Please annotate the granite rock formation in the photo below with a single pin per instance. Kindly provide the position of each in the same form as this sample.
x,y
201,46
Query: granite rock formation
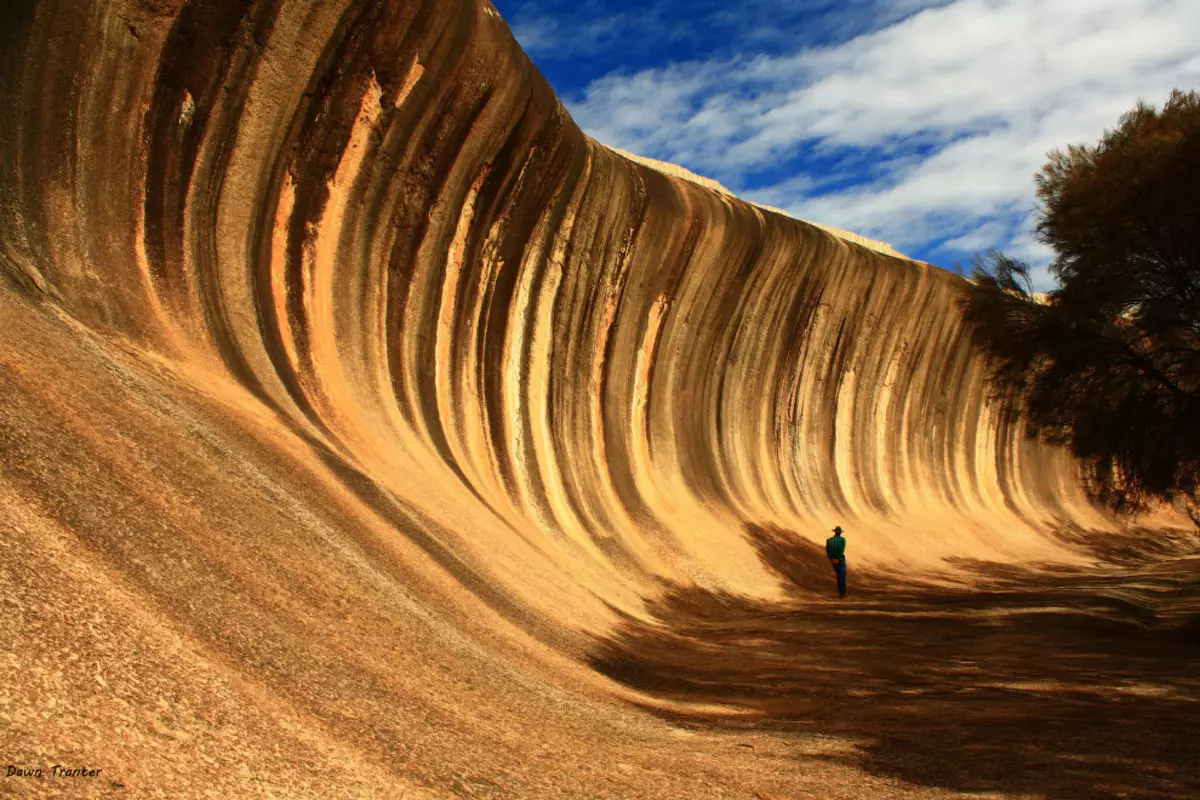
x,y
353,396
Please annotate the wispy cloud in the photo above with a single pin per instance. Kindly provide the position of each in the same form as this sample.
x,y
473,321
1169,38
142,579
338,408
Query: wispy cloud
x,y
984,235
936,121
557,30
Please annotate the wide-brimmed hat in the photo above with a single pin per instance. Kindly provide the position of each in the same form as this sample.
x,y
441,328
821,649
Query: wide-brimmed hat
x,y
837,529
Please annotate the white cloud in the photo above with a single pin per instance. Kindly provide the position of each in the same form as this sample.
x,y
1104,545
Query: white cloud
x,y
981,238
955,107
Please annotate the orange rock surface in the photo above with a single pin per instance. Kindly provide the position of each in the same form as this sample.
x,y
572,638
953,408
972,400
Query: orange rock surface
x,y
369,431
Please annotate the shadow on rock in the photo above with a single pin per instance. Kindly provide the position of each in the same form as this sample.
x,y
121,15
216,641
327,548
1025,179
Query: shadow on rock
x,y
1057,685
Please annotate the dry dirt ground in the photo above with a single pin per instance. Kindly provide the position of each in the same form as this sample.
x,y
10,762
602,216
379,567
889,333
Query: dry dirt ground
x,y
1067,683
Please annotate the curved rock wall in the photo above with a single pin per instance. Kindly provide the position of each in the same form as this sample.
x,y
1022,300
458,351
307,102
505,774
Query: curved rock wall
x,y
377,220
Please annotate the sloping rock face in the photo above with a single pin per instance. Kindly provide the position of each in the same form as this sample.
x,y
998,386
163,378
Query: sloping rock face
x,y
351,393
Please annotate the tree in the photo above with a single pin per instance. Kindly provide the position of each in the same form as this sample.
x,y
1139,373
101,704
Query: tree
x,y
1109,363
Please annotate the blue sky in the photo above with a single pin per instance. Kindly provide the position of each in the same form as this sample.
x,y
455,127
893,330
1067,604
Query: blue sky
x,y
919,122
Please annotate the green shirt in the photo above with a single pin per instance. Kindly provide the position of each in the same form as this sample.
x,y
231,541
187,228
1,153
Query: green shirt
x,y
835,546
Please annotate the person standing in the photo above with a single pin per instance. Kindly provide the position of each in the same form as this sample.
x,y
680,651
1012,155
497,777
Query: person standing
x,y
835,548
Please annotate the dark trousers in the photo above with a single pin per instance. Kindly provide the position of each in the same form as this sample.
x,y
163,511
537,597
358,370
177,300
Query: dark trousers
x,y
839,569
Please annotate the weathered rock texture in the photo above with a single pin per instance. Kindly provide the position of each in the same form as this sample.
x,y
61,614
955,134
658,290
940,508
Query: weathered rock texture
x,y
352,394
